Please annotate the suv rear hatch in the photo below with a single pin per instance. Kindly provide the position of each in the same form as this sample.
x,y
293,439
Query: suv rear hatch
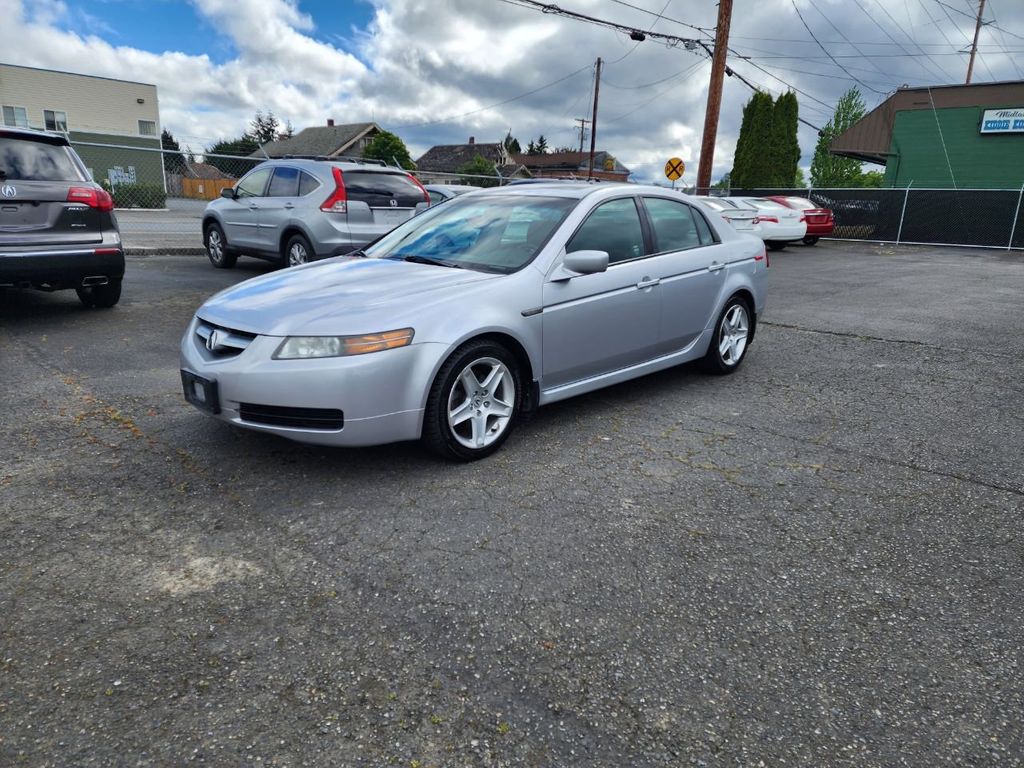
x,y
46,197
390,197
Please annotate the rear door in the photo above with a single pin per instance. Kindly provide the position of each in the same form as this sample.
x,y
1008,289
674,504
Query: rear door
x,y
378,201
36,177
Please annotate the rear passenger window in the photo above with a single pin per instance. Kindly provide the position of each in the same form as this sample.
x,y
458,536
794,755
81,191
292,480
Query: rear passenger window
x,y
307,184
707,237
674,226
613,227
285,182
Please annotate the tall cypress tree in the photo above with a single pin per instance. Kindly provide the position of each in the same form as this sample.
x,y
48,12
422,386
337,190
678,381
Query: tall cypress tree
x,y
738,174
784,148
759,166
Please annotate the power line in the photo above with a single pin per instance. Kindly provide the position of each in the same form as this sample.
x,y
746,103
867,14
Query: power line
x,y
825,50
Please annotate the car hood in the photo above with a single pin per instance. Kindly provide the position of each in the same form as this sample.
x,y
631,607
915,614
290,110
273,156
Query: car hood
x,y
336,296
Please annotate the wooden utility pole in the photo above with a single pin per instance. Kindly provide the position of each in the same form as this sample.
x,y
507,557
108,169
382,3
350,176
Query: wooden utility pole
x,y
974,45
707,147
583,130
593,119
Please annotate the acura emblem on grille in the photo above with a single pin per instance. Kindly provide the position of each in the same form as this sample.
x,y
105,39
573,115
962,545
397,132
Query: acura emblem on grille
x,y
394,203
213,340
9,191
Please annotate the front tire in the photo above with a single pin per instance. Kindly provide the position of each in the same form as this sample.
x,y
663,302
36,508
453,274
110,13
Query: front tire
x,y
732,337
297,251
100,296
810,240
474,403
217,248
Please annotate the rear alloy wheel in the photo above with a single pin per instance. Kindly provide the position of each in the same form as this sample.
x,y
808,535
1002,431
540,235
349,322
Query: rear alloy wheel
x,y
217,248
810,240
100,296
474,402
729,344
298,251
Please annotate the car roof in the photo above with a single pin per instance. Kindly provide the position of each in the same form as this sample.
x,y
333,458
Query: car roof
x,y
32,134
345,163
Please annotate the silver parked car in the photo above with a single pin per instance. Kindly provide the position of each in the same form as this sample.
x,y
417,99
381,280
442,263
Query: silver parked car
x,y
453,325
297,210
441,192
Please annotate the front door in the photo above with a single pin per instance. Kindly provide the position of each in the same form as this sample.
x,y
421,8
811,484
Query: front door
x,y
277,207
602,322
241,215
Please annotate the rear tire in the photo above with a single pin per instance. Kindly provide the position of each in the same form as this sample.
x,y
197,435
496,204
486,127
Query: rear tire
x,y
474,402
297,251
100,296
810,240
732,338
217,248
775,245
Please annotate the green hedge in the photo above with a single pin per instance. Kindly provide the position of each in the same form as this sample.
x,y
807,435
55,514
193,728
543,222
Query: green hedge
x,y
139,196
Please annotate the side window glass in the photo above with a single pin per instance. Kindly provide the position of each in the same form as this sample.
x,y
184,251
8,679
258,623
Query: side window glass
x,y
674,225
703,228
307,184
613,227
285,182
253,184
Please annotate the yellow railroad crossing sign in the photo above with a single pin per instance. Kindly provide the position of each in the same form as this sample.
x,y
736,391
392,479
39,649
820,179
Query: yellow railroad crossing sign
x,y
674,169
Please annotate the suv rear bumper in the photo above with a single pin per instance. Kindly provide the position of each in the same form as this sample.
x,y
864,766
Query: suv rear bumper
x,y
61,267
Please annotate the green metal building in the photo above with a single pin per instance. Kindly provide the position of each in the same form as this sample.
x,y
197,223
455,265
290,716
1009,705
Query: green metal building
x,y
944,137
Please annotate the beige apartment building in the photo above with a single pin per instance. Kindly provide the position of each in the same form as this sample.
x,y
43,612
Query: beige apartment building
x,y
91,111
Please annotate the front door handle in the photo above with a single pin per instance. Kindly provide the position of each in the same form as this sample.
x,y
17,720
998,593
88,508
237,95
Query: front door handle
x,y
648,283
253,207
288,206
716,266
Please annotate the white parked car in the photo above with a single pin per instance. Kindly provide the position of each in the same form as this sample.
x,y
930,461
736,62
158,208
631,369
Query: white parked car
x,y
779,225
742,219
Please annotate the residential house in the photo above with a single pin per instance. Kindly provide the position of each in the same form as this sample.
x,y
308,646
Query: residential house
x,y
121,115
560,165
324,141
439,163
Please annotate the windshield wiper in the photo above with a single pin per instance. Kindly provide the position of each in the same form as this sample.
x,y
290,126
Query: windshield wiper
x,y
358,253
435,262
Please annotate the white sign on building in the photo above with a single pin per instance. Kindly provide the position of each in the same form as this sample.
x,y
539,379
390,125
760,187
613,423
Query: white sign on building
x,y
1002,121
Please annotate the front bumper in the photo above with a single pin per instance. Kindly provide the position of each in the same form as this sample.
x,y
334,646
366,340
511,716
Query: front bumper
x,y
61,266
375,398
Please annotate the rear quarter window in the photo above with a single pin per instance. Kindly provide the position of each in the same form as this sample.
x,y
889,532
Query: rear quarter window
x,y
22,160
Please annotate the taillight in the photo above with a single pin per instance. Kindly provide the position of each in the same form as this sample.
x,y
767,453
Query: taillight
x,y
426,195
338,201
99,199
772,219
763,256
803,219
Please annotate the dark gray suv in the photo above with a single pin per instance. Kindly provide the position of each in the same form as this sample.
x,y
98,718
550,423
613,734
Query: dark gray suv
x,y
299,209
57,226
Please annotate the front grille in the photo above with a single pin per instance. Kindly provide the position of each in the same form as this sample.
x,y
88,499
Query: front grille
x,y
326,419
220,341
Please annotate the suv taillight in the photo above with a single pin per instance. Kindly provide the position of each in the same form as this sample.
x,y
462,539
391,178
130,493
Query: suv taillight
x,y
338,201
426,195
99,199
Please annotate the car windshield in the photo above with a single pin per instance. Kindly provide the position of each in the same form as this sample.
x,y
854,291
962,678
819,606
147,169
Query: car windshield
x,y
493,233
22,160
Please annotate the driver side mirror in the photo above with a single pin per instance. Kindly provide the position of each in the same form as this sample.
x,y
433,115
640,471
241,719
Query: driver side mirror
x,y
229,193
580,263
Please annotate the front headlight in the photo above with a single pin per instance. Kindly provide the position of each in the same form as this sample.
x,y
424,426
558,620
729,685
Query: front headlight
x,y
299,347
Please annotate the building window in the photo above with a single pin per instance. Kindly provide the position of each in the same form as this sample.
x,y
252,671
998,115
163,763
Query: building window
x,y
147,128
55,120
16,117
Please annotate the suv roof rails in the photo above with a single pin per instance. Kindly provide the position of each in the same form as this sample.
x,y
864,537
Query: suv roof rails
x,y
342,158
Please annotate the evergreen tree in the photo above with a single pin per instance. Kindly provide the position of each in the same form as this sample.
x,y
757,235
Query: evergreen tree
x,y
542,145
531,148
477,167
174,160
390,148
738,174
264,128
289,131
784,150
830,170
752,166
241,147
512,144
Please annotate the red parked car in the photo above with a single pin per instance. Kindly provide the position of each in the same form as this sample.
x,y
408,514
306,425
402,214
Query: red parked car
x,y
819,220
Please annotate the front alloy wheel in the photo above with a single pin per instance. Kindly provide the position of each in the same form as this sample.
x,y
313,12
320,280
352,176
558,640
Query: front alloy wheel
x,y
474,402
729,344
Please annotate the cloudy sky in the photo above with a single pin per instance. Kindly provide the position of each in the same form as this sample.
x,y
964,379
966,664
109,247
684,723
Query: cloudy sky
x,y
439,71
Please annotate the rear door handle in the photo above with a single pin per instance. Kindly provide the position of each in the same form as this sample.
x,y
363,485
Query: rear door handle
x,y
715,266
289,206
253,207
648,283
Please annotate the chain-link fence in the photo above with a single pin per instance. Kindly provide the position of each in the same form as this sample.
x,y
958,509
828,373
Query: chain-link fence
x,y
991,218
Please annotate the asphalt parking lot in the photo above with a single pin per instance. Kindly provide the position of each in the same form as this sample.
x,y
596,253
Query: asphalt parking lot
x,y
817,561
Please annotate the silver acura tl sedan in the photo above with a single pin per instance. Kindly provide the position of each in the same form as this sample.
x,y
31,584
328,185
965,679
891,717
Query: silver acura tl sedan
x,y
458,322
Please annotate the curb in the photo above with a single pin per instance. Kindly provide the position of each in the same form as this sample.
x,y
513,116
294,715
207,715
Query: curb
x,y
168,250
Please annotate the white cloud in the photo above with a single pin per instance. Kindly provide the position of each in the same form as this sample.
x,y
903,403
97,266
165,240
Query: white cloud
x,y
422,61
